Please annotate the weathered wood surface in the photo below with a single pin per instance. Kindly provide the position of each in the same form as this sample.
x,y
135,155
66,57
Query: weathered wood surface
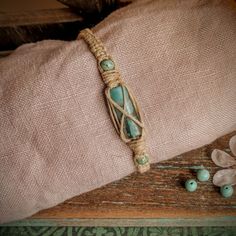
x,y
97,7
39,17
19,28
157,196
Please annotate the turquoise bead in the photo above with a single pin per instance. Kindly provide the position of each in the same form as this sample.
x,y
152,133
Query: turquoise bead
x,y
226,191
107,64
203,175
131,129
142,160
191,185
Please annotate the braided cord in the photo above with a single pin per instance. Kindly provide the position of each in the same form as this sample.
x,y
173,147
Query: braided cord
x,y
126,116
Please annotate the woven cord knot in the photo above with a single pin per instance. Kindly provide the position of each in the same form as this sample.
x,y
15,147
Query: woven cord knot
x,y
140,154
111,78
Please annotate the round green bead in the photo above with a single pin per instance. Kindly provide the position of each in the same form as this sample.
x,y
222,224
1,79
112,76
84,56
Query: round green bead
x,y
203,175
142,160
191,185
226,191
107,64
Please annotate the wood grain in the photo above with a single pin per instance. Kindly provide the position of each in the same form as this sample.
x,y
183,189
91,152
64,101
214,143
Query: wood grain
x,y
38,17
98,7
19,28
157,194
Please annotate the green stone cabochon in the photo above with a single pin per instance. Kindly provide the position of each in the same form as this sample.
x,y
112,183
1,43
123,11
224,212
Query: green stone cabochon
x,y
131,129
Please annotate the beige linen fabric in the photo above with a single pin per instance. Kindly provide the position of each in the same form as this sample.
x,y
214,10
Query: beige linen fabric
x,y
57,139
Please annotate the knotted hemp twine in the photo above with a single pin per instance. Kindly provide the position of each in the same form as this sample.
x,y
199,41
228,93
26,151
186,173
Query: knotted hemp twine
x,y
113,79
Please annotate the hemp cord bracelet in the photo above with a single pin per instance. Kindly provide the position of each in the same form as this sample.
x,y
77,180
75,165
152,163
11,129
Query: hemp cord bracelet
x,y
123,108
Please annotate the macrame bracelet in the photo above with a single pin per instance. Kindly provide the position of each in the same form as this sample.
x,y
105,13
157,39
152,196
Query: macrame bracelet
x,y
123,107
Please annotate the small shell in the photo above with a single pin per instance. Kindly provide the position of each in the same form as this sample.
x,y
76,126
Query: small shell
x,y
232,145
222,159
225,177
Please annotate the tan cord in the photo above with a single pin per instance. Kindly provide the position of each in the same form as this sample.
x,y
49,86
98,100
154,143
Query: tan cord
x,y
112,79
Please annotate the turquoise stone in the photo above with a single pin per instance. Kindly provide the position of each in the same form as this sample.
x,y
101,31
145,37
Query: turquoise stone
x,y
142,160
203,175
226,191
107,64
191,185
131,129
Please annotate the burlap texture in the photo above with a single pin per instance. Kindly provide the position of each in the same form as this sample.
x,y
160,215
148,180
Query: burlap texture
x,y
57,139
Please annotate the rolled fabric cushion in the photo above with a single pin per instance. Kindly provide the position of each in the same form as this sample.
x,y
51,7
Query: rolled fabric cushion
x,y
57,140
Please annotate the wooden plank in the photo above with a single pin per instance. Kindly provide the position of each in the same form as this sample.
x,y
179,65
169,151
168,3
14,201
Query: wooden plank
x,y
19,28
39,17
5,53
97,7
